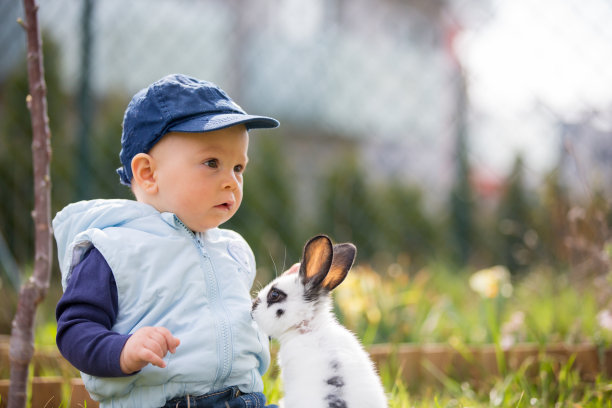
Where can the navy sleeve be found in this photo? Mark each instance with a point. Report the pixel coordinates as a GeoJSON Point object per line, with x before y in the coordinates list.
{"type": "Point", "coordinates": [85, 315]}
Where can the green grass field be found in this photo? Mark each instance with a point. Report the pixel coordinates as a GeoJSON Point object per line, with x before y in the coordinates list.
{"type": "Point", "coordinates": [549, 388]}
{"type": "Point", "coordinates": [439, 306]}
{"type": "Point", "coordinates": [436, 305]}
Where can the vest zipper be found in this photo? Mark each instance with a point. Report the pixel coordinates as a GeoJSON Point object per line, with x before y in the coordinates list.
{"type": "Point", "coordinates": [222, 321]}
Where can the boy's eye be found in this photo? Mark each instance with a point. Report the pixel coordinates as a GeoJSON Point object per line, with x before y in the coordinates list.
{"type": "Point", "coordinates": [239, 168]}
{"type": "Point", "coordinates": [212, 163]}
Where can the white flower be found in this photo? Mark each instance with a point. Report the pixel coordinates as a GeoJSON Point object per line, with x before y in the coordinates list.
{"type": "Point", "coordinates": [513, 330]}
{"type": "Point", "coordinates": [604, 318]}
{"type": "Point", "coordinates": [491, 282]}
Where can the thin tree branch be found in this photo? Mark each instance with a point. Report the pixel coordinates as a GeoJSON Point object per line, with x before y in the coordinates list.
{"type": "Point", "coordinates": [35, 289]}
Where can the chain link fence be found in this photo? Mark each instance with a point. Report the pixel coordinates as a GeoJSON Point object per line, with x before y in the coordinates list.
{"type": "Point", "coordinates": [399, 119]}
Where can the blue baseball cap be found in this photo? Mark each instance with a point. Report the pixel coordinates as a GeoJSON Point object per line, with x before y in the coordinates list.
{"type": "Point", "coordinates": [178, 103]}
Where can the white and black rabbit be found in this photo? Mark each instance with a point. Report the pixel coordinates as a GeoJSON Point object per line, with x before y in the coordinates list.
{"type": "Point", "coordinates": [323, 365]}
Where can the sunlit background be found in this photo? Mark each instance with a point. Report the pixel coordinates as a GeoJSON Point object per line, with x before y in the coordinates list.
{"type": "Point", "coordinates": [437, 135]}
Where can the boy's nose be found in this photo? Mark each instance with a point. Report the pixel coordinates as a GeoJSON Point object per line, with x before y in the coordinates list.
{"type": "Point", "coordinates": [231, 182]}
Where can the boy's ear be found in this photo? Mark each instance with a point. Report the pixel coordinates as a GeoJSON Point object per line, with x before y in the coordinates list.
{"type": "Point", "coordinates": [143, 170]}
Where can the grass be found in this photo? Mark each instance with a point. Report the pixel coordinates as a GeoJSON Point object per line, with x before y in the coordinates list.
{"type": "Point", "coordinates": [438, 305]}
{"type": "Point", "coordinates": [549, 387]}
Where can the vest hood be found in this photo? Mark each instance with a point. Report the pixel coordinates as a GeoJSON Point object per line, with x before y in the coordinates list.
{"type": "Point", "coordinates": [82, 216]}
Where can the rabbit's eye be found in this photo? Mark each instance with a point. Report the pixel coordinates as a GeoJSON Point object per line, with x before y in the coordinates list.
{"type": "Point", "coordinates": [275, 296]}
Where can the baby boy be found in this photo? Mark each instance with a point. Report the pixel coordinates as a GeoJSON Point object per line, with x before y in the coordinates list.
{"type": "Point", "coordinates": [156, 305]}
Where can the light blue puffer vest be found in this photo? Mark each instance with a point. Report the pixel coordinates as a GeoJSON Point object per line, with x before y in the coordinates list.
{"type": "Point", "coordinates": [196, 285]}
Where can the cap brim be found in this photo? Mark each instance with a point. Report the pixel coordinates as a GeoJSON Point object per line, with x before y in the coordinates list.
{"type": "Point", "coordinates": [209, 123]}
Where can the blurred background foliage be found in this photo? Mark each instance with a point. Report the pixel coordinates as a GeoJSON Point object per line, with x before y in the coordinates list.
{"type": "Point", "coordinates": [291, 194]}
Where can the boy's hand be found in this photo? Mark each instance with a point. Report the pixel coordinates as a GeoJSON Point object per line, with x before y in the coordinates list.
{"type": "Point", "coordinates": [147, 345]}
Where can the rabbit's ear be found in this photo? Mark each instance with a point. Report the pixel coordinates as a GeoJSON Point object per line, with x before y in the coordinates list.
{"type": "Point", "coordinates": [344, 255]}
{"type": "Point", "coordinates": [316, 261]}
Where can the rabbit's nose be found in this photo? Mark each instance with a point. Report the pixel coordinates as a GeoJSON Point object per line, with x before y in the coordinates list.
{"type": "Point", "coordinates": [256, 303]}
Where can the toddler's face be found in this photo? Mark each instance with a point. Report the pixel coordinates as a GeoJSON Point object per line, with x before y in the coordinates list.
{"type": "Point", "coordinates": [199, 175]}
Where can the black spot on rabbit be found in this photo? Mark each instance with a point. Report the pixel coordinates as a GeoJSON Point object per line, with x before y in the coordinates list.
{"type": "Point", "coordinates": [335, 365]}
{"type": "Point", "coordinates": [336, 381]}
{"type": "Point", "coordinates": [275, 296]}
{"type": "Point", "coordinates": [256, 303]}
{"type": "Point", "coordinates": [333, 401]}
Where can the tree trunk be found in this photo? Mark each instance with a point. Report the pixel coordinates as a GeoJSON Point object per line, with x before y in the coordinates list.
{"type": "Point", "coordinates": [35, 289]}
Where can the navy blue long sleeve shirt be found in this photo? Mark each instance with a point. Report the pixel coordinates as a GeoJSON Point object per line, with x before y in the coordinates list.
{"type": "Point", "coordinates": [85, 315]}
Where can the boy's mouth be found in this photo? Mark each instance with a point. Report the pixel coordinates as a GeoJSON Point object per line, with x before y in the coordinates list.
{"type": "Point", "coordinates": [225, 206]}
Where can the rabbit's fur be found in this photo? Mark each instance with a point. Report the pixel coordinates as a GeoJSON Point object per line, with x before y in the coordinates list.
{"type": "Point", "coordinates": [322, 363]}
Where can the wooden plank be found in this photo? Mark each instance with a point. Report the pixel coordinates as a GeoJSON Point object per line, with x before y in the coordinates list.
{"type": "Point", "coordinates": [79, 397]}
{"type": "Point", "coordinates": [47, 392]}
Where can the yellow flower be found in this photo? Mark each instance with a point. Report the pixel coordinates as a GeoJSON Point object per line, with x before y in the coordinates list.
{"type": "Point", "coordinates": [491, 282]}
{"type": "Point", "coordinates": [357, 297]}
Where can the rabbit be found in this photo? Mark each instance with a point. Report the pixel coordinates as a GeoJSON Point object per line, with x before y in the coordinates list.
{"type": "Point", "coordinates": [322, 363]}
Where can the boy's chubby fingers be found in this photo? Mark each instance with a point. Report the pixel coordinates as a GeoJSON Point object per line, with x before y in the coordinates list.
{"type": "Point", "coordinates": [151, 357]}
{"type": "Point", "coordinates": [170, 342]}
{"type": "Point", "coordinates": [147, 345]}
